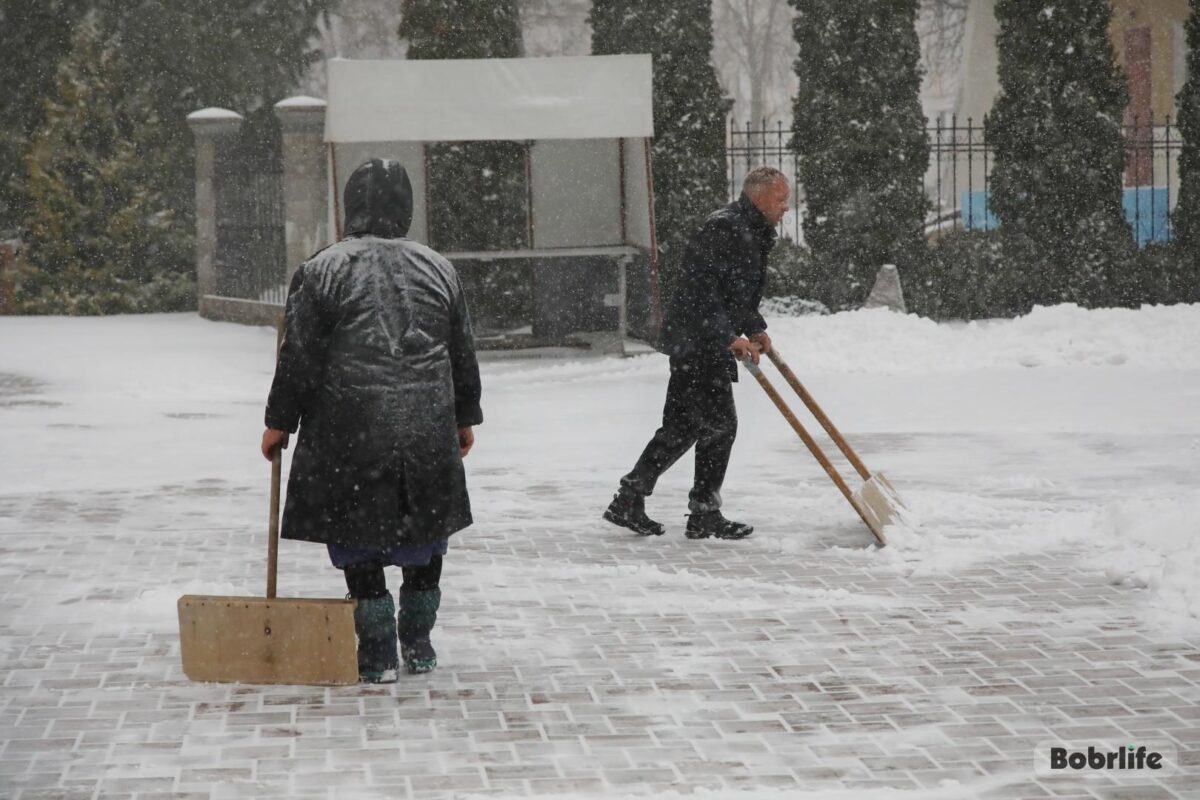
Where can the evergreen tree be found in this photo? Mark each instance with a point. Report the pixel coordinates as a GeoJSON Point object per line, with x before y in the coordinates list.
{"type": "Point", "coordinates": [100, 235]}
{"type": "Point", "coordinates": [188, 54]}
{"type": "Point", "coordinates": [688, 151]}
{"type": "Point", "coordinates": [461, 29]}
{"type": "Point", "coordinates": [859, 135]}
{"type": "Point", "coordinates": [239, 54]}
{"type": "Point", "coordinates": [1187, 209]}
{"type": "Point", "coordinates": [477, 189]}
{"type": "Point", "coordinates": [175, 56]}
{"type": "Point", "coordinates": [34, 37]}
{"type": "Point", "coordinates": [1056, 130]}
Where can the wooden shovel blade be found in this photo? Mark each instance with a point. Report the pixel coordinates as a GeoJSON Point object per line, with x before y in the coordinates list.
{"type": "Point", "coordinates": [298, 641]}
{"type": "Point", "coordinates": [879, 504]}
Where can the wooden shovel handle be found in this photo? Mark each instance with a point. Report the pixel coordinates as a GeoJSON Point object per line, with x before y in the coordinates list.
{"type": "Point", "coordinates": [276, 480]}
{"type": "Point", "coordinates": [273, 524]}
{"type": "Point", "coordinates": [809, 442]}
{"type": "Point", "coordinates": [826, 423]}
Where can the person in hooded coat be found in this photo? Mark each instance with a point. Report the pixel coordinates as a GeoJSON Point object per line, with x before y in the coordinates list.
{"type": "Point", "coordinates": [710, 318]}
{"type": "Point", "coordinates": [377, 369]}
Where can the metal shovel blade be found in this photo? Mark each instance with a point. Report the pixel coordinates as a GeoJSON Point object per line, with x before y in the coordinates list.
{"type": "Point", "coordinates": [878, 504]}
{"type": "Point", "coordinates": [297, 641]}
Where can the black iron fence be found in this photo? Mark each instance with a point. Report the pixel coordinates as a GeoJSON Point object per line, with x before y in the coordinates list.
{"type": "Point", "coordinates": [960, 167]}
{"type": "Point", "coordinates": [250, 260]}
{"type": "Point", "coordinates": [747, 147]}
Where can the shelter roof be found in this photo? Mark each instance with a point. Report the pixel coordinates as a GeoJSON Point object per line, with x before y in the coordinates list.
{"type": "Point", "coordinates": [579, 97]}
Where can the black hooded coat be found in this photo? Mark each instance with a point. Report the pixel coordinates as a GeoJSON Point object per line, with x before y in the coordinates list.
{"type": "Point", "coordinates": [377, 369]}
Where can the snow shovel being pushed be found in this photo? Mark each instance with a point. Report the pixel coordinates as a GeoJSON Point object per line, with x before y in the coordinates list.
{"type": "Point", "coordinates": [876, 501]}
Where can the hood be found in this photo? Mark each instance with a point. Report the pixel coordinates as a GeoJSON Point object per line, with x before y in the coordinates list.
{"type": "Point", "coordinates": [378, 200]}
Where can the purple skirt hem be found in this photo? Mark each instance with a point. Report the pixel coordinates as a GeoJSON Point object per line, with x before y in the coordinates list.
{"type": "Point", "coordinates": [403, 555]}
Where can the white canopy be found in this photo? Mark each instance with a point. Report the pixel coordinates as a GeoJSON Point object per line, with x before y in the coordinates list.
{"type": "Point", "coordinates": [582, 97]}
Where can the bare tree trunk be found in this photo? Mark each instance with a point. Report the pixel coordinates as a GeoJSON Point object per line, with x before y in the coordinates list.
{"type": "Point", "coordinates": [941, 25]}
{"type": "Point", "coordinates": [753, 52]}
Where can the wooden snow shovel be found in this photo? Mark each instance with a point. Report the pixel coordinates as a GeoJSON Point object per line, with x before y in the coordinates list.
{"type": "Point", "coordinates": [876, 501]}
{"type": "Point", "coordinates": [295, 640]}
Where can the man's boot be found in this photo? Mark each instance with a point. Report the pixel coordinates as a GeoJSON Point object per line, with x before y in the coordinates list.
{"type": "Point", "coordinates": [375, 624]}
{"type": "Point", "coordinates": [713, 523]}
{"type": "Point", "coordinates": [628, 509]}
{"type": "Point", "coordinates": [418, 613]}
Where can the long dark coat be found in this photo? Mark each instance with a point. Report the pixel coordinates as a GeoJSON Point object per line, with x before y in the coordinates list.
{"type": "Point", "coordinates": [377, 368]}
{"type": "Point", "coordinates": [715, 296]}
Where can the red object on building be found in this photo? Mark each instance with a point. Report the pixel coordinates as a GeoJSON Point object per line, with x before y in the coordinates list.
{"type": "Point", "coordinates": [1138, 114]}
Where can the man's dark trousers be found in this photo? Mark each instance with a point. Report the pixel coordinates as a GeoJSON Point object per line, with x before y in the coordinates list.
{"type": "Point", "coordinates": [699, 411]}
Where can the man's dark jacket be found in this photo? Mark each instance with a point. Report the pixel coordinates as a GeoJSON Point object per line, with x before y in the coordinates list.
{"type": "Point", "coordinates": [377, 368]}
{"type": "Point", "coordinates": [715, 296]}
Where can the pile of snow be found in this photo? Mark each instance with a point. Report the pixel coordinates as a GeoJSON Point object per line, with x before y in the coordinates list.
{"type": "Point", "coordinates": [1147, 542]}
{"type": "Point", "coordinates": [791, 306]}
{"type": "Point", "coordinates": [154, 609]}
{"type": "Point", "coordinates": [1154, 543]}
{"type": "Point", "coordinates": [882, 341]}
{"type": "Point", "coordinates": [1097, 373]}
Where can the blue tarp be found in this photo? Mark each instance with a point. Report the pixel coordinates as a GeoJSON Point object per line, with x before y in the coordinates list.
{"type": "Point", "coordinates": [976, 216]}
{"type": "Point", "coordinates": [1146, 212]}
{"type": "Point", "coordinates": [1145, 207]}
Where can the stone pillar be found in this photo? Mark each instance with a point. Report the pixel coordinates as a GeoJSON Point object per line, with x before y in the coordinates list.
{"type": "Point", "coordinates": [305, 178]}
{"type": "Point", "coordinates": [887, 292]}
{"type": "Point", "coordinates": [212, 128]}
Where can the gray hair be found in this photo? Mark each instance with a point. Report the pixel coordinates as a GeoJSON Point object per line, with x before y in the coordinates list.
{"type": "Point", "coordinates": [761, 178]}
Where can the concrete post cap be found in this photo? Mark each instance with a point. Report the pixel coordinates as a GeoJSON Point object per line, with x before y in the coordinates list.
{"type": "Point", "coordinates": [301, 114]}
{"type": "Point", "coordinates": [301, 102]}
{"type": "Point", "coordinates": [214, 121]}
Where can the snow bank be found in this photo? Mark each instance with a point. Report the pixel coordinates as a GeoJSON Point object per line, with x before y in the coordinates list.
{"type": "Point", "coordinates": [882, 341]}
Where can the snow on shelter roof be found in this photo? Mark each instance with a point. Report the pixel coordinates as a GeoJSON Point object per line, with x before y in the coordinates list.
{"type": "Point", "coordinates": [581, 97]}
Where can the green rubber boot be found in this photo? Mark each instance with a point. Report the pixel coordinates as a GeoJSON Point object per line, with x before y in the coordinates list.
{"type": "Point", "coordinates": [375, 624]}
{"type": "Point", "coordinates": [418, 613]}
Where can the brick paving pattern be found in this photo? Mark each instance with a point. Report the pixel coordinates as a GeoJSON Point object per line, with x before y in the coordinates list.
{"type": "Point", "coordinates": [577, 660]}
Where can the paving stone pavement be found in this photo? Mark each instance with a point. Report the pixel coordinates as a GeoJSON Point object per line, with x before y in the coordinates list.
{"type": "Point", "coordinates": [577, 660]}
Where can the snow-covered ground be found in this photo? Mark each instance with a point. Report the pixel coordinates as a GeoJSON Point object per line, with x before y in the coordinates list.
{"type": "Point", "coordinates": [1065, 443]}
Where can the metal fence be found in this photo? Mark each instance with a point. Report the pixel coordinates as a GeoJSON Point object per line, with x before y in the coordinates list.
{"type": "Point", "coordinates": [250, 259]}
{"type": "Point", "coordinates": [960, 167]}
{"type": "Point", "coordinates": [961, 161]}
{"type": "Point", "coordinates": [1151, 178]}
{"type": "Point", "coordinates": [747, 147]}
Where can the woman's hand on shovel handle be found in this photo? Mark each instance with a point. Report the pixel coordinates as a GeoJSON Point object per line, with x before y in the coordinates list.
{"type": "Point", "coordinates": [274, 440]}
{"type": "Point", "coordinates": [742, 348]}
